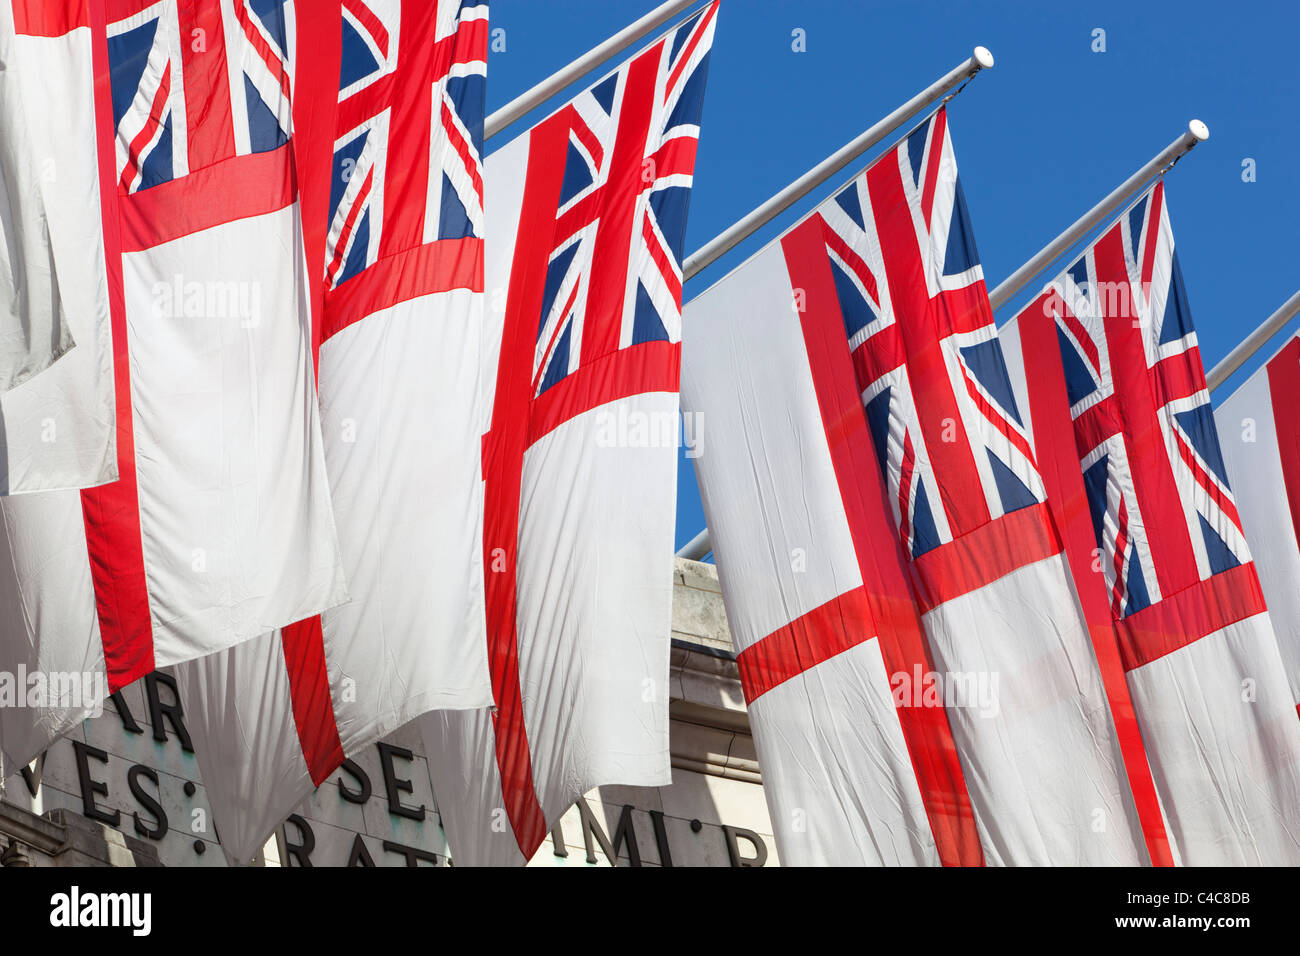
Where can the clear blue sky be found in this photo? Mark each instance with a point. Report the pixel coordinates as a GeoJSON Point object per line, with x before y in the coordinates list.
{"type": "Point", "coordinates": [1040, 138]}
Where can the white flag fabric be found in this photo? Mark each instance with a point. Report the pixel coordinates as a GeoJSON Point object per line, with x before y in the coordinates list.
{"type": "Point", "coordinates": [586, 223]}
{"type": "Point", "coordinates": [1259, 426]}
{"type": "Point", "coordinates": [56, 430]}
{"type": "Point", "coordinates": [220, 526]}
{"type": "Point", "coordinates": [1106, 363]}
{"type": "Point", "coordinates": [40, 238]}
{"type": "Point", "coordinates": [402, 324]}
{"type": "Point", "coordinates": [920, 681]}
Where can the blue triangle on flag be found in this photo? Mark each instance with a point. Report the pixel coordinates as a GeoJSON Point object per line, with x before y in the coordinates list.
{"type": "Point", "coordinates": [559, 364]}
{"type": "Point", "coordinates": [925, 535]}
{"type": "Point", "coordinates": [555, 273]}
{"type": "Point", "coordinates": [360, 249]}
{"type": "Point", "coordinates": [961, 253]}
{"type": "Point", "coordinates": [878, 423]}
{"type": "Point", "coordinates": [453, 220]}
{"type": "Point", "coordinates": [1217, 551]}
{"type": "Point", "coordinates": [577, 174]}
{"type": "Point", "coordinates": [1079, 272]}
{"type": "Point", "coordinates": [1014, 493]}
{"type": "Point", "coordinates": [1138, 596]}
{"type": "Point", "coordinates": [916, 149]}
{"type": "Point", "coordinates": [848, 200]}
{"type": "Point", "coordinates": [680, 36]}
{"type": "Point", "coordinates": [1198, 425]}
{"type": "Point", "coordinates": [604, 92]}
{"type": "Point", "coordinates": [128, 55]}
{"type": "Point", "coordinates": [264, 132]}
{"type": "Point", "coordinates": [1135, 226]}
{"type": "Point", "coordinates": [647, 325]}
{"type": "Point", "coordinates": [855, 309]}
{"type": "Point", "coordinates": [987, 364]}
{"type": "Point", "coordinates": [1177, 320]}
{"type": "Point", "coordinates": [1095, 479]}
{"type": "Point", "coordinates": [1079, 383]}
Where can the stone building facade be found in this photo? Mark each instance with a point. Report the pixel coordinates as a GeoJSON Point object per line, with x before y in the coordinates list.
{"type": "Point", "coordinates": [124, 789]}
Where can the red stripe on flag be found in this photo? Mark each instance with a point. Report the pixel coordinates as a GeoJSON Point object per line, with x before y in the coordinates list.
{"type": "Point", "coordinates": [931, 181]}
{"type": "Point", "coordinates": [1081, 336]}
{"type": "Point", "coordinates": [1208, 482]}
{"type": "Point", "coordinates": [923, 323]}
{"type": "Point", "coordinates": [503, 464]}
{"type": "Point", "coordinates": [684, 57]}
{"type": "Point", "coordinates": [1191, 614]}
{"type": "Point", "coordinates": [648, 367]}
{"type": "Point", "coordinates": [111, 513]}
{"type": "Point", "coordinates": [1159, 500]}
{"type": "Point", "coordinates": [49, 18]}
{"type": "Point", "coordinates": [315, 112]}
{"type": "Point", "coordinates": [410, 101]}
{"type": "Point", "coordinates": [372, 24]}
{"type": "Point", "coordinates": [237, 188]}
{"type": "Point", "coordinates": [926, 730]}
{"type": "Point", "coordinates": [341, 249]}
{"type": "Point", "coordinates": [425, 270]}
{"type": "Point", "coordinates": [1058, 464]}
{"type": "Point", "coordinates": [1284, 395]}
{"type": "Point", "coordinates": [1153, 236]}
{"type": "Point", "coordinates": [838, 625]}
{"type": "Point", "coordinates": [150, 131]}
{"type": "Point", "coordinates": [851, 259]}
{"type": "Point", "coordinates": [309, 689]}
{"type": "Point", "coordinates": [274, 65]}
{"type": "Point", "coordinates": [618, 196]}
{"type": "Point", "coordinates": [209, 124]}
{"type": "Point", "coordinates": [984, 555]}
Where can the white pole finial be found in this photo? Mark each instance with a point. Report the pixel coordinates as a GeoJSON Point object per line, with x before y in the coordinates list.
{"type": "Point", "coordinates": [1197, 132]}
{"type": "Point", "coordinates": [729, 238]}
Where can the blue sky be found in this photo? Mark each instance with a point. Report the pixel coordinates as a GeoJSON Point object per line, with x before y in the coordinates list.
{"type": "Point", "coordinates": [1040, 138]}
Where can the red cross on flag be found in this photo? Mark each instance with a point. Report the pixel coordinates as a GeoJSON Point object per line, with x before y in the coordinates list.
{"type": "Point", "coordinates": [1106, 365]}
{"type": "Point", "coordinates": [587, 219]}
{"type": "Point", "coordinates": [400, 268]}
{"type": "Point", "coordinates": [920, 681]}
{"type": "Point", "coordinates": [221, 488]}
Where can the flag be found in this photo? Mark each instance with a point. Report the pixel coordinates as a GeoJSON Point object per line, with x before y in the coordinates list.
{"type": "Point", "coordinates": [1261, 453]}
{"type": "Point", "coordinates": [219, 527]}
{"type": "Point", "coordinates": [1107, 365]}
{"type": "Point", "coordinates": [587, 217]}
{"type": "Point", "coordinates": [56, 430]}
{"type": "Point", "coordinates": [34, 324]}
{"type": "Point", "coordinates": [401, 269]}
{"type": "Point", "coordinates": [921, 685]}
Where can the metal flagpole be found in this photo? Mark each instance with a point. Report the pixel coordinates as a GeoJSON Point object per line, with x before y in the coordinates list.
{"type": "Point", "coordinates": [980, 59]}
{"type": "Point", "coordinates": [1197, 132]}
{"type": "Point", "coordinates": [1254, 342]}
{"type": "Point", "coordinates": [557, 81]}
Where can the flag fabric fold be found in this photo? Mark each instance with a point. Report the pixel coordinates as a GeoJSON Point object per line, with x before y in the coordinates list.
{"type": "Point", "coordinates": [1105, 361]}
{"type": "Point", "coordinates": [921, 683]}
{"type": "Point", "coordinates": [219, 527]}
{"type": "Point", "coordinates": [42, 235]}
{"type": "Point", "coordinates": [586, 225]}
{"type": "Point", "coordinates": [398, 181]}
{"type": "Point", "coordinates": [56, 430]}
{"type": "Point", "coordinates": [1260, 432]}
